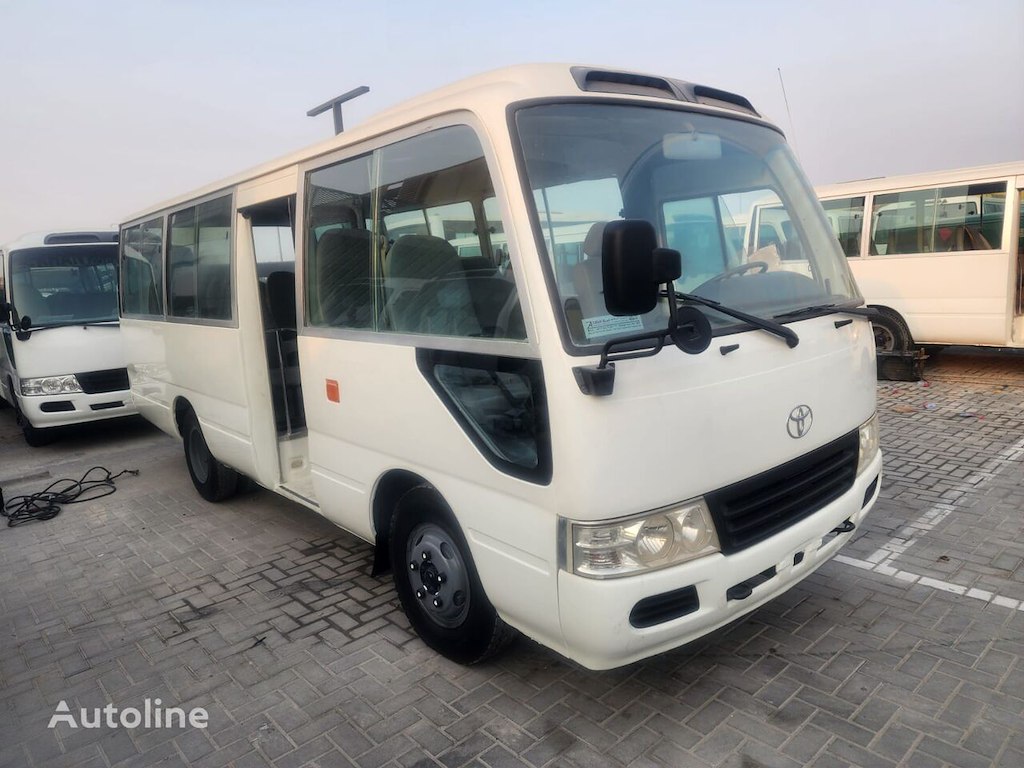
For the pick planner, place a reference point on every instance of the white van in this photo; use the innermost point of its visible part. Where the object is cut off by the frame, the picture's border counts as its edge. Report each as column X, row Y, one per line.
column 61, row 361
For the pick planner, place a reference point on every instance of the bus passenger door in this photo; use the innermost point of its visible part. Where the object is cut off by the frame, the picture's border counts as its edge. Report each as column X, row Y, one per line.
column 272, row 230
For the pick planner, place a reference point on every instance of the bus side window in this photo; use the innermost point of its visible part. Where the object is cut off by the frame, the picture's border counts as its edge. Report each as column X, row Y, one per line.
column 182, row 281
column 405, row 275
column 341, row 291
column 427, row 289
column 846, row 216
column 340, row 255
column 141, row 269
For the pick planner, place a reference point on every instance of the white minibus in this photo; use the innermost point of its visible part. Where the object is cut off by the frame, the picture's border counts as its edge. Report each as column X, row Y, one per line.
column 614, row 442
column 61, row 360
column 941, row 255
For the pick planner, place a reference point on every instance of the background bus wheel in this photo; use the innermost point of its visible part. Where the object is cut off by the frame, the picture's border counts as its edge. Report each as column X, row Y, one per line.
column 213, row 480
column 438, row 584
column 891, row 332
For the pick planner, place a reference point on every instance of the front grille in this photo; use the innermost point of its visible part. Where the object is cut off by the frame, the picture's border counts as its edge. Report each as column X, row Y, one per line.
column 755, row 509
column 94, row 382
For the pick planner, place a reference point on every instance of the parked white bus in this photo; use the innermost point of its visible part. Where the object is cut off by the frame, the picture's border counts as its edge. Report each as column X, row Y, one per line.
column 587, row 444
column 61, row 360
column 941, row 255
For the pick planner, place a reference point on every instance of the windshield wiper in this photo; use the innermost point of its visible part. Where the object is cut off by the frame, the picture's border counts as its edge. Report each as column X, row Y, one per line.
column 827, row 309
column 764, row 324
column 83, row 323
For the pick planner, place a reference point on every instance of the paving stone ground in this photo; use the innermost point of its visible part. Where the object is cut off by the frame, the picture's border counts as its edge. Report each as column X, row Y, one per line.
column 907, row 651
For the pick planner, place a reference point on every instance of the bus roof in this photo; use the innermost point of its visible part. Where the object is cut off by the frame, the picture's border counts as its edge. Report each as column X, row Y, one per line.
column 63, row 237
column 884, row 183
column 490, row 93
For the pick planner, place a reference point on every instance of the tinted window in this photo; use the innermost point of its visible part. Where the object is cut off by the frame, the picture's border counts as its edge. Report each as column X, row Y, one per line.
column 67, row 284
column 846, row 217
column 142, row 269
column 199, row 261
column 960, row 218
column 413, row 245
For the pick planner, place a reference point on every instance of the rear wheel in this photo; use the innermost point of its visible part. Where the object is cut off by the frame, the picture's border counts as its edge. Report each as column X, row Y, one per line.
column 438, row 584
column 891, row 332
column 213, row 480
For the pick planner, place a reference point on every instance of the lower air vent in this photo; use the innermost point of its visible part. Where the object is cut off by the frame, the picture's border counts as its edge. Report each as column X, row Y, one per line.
column 57, row 407
column 664, row 607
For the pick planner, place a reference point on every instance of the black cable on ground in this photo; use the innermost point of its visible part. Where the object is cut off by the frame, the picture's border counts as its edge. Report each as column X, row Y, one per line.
column 46, row 504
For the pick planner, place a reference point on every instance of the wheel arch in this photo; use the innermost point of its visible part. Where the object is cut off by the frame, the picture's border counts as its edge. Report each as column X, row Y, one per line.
column 391, row 487
column 894, row 315
column 182, row 407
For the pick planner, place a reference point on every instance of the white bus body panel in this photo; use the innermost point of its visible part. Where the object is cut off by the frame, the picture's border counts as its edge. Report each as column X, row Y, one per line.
column 201, row 364
column 61, row 351
column 664, row 407
column 964, row 298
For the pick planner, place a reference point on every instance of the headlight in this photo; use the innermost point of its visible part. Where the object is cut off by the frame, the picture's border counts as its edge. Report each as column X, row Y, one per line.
column 868, row 443
column 643, row 543
column 50, row 385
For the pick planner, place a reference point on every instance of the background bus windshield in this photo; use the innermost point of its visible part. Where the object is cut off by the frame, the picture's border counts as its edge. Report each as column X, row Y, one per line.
column 699, row 180
column 59, row 286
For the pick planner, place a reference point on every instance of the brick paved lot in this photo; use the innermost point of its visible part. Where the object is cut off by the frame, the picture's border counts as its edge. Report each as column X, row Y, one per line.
column 907, row 650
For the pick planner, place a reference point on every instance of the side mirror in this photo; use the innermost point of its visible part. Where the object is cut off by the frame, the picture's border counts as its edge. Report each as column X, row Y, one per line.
column 21, row 330
column 634, row 268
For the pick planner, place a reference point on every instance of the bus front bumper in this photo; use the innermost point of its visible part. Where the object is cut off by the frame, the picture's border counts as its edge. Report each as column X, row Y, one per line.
column 599, row 617
column 44, row 411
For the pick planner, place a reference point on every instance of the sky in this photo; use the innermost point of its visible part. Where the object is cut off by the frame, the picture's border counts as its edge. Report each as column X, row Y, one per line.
column 108, row 107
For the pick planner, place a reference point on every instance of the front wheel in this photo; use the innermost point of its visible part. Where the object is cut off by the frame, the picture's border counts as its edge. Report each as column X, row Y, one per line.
column 34, row 436
column 213, row 480
column 438, row 584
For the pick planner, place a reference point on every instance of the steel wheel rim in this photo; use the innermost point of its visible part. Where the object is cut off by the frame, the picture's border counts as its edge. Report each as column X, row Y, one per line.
column 438, row 575
column 885, row 340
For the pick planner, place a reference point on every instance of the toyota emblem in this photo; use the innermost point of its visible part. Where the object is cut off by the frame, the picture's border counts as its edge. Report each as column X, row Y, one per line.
column 800, row 420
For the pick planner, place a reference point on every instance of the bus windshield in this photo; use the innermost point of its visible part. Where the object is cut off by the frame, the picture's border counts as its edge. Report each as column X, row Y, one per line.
column 65, row 286
column 699, row 180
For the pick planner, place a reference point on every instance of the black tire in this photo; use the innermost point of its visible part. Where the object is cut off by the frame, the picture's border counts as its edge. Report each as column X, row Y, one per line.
column 34, row 436
column 891, row 332
column 37, row 437
column 214, row 481
column 442, row 595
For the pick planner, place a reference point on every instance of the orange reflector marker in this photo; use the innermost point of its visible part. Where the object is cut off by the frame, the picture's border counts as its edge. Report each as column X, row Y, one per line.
column 333, row 391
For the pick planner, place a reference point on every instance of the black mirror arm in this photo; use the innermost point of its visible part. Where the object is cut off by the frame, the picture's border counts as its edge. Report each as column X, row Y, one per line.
column 22, row 330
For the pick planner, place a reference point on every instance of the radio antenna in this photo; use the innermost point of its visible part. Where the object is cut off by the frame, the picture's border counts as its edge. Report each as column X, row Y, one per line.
column 792, row 127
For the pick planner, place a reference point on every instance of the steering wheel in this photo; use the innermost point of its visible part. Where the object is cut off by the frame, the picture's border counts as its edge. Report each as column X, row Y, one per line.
column 760, row 266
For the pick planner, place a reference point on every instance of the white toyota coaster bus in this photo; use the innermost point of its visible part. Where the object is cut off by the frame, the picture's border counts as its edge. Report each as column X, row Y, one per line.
column 61, row 360
column 941, row 254
column 613, row 442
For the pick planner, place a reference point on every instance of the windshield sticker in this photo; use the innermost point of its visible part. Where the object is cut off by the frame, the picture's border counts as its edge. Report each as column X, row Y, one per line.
column 608, row 325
